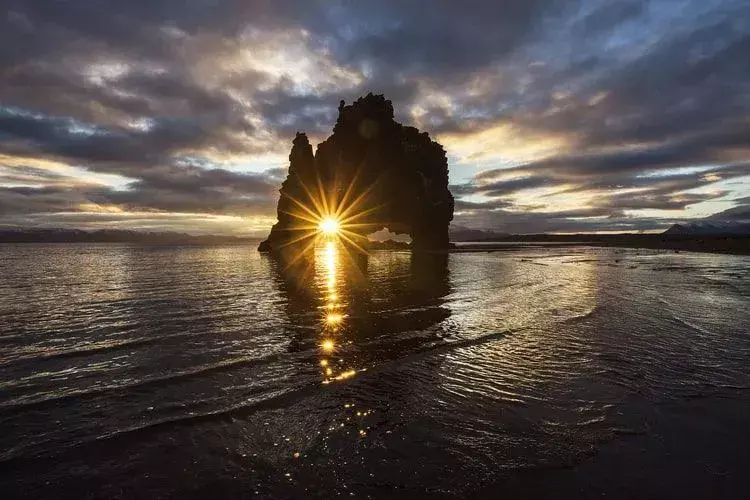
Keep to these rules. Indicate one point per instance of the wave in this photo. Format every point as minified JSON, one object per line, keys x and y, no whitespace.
{"x":17,"y":405}
{"x":270,"y":400}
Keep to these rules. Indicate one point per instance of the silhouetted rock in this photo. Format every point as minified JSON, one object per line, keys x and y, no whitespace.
{"x":301,"y":173}
{"x":373,"y":171}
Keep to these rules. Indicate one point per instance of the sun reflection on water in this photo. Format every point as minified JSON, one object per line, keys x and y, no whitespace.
{"x":333,"y":314}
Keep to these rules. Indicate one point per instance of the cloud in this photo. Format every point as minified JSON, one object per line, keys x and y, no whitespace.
{"x":557,"y":115}
{"x":580,"y":221}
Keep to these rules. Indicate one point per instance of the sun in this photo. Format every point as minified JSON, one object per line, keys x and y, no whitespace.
{"x":329,"y":226}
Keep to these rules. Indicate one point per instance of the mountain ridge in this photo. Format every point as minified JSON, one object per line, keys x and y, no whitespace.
{"x":55,"y":235}
{"x":709,"y":228}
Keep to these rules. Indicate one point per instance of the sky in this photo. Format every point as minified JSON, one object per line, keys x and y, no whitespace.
{"x":557,"y":116}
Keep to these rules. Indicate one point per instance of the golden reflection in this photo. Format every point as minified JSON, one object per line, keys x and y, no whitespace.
{"x":338,"y":378}
{"x":331,"y":261}
{"x":333,"y":310}
{"x":334,"y":318}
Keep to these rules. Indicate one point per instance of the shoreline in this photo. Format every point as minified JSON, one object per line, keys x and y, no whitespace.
{"x":734,"y":245}
{"x":697,"y":246}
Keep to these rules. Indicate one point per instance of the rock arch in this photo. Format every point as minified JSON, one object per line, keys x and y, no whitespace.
{"x":379,"y":172}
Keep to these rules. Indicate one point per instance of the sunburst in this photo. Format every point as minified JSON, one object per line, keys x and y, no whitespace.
{"x":325,"y":213}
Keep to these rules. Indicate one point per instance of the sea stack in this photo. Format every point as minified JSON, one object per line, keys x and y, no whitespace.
{"x":380,"y":173}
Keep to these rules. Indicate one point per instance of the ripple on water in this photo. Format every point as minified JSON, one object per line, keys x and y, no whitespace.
{"x":486,"y":363}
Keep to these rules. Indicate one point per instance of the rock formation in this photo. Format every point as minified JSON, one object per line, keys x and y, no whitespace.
{"x":372,"y":171}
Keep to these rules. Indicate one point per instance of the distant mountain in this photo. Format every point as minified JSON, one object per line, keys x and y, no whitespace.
{"x":460,"y":233}
{"x":710,"y":228}
{"x":115,"y":236}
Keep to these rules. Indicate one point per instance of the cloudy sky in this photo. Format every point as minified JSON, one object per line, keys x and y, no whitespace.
{"x":558,"y":116}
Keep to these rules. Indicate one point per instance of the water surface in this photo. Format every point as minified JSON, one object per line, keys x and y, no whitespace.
{"x":194,"y":371}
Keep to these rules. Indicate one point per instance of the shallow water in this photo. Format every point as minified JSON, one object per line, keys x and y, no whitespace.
{"x":195,"y":371}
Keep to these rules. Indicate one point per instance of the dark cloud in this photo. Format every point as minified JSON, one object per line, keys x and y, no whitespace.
{"x":463,"y":205}
{"x":515,"y":222}
{"x":158,"y":180}
{"x":198,"y":190}
{"x":690,"y":85}
{"x":700,"y":149}
{"x":210,"y":191}
{"x":65,"y":139}
{"x":438,"y":37}
{"x":611,"y":195}
{"x":499,"y":189}
{"x":609,"y":16}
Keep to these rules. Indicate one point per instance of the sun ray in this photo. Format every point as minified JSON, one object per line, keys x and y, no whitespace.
{"x":360,"y":199}
{"x":322,"y":194}
{"x":352,"y":242}
{"x":317,"y":205}
{"x":348,"y":220}
{"x":301,"y":254}
{"x":304,"y":207}
{"x":298,"y":239}
{"x":345,"y":199}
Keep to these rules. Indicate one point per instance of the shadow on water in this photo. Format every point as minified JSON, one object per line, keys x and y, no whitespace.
{"x":370,"y":319}
{"x":359,"y":310}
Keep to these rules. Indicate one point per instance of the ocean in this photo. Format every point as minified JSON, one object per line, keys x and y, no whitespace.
{"x":194,"y":372}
